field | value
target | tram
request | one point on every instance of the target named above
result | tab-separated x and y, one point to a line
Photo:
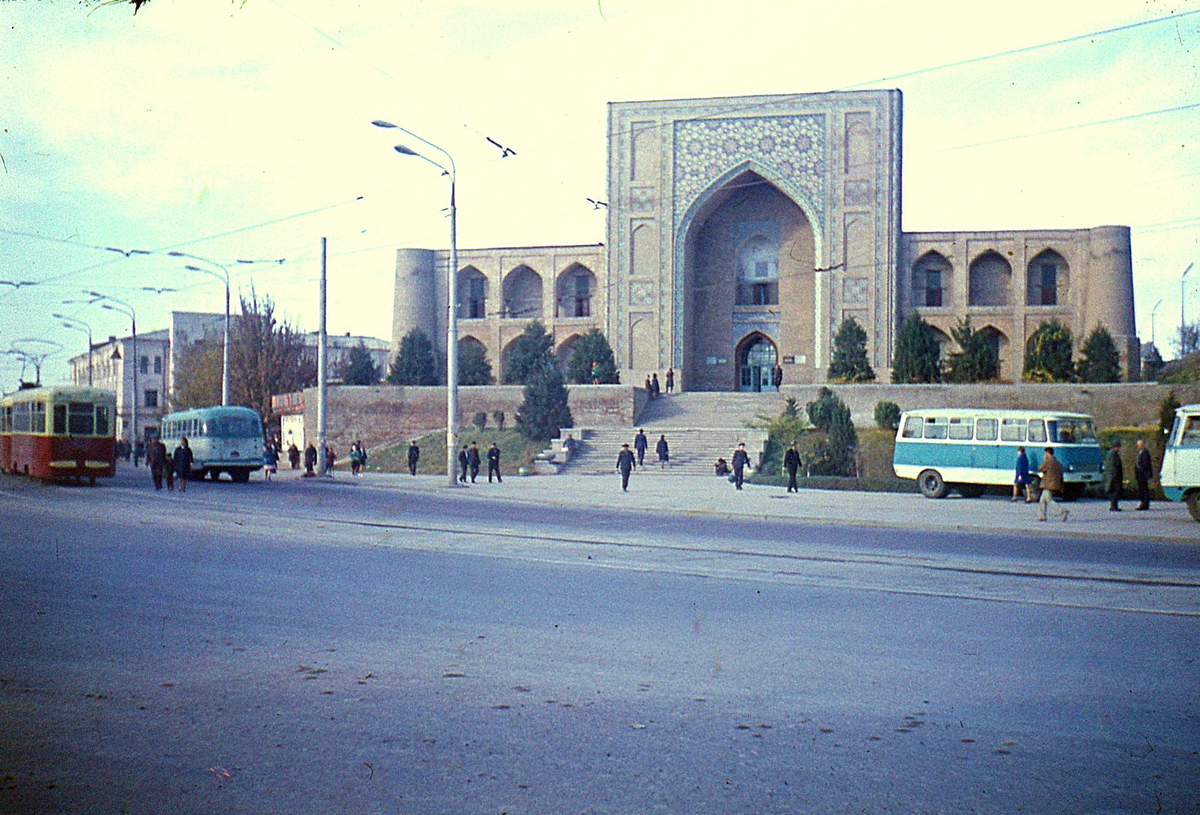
223	439
58	432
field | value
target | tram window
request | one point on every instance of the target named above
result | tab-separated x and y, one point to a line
1012	430
960	429
935	429
985	429
912	427
82	419
60	420
101	420
37	415
1037	431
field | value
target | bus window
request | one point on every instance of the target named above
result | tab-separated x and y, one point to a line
60	420
912	427
935	428
1012	430
985	429
1190	437
1072	431
82	419
960	429
102	420
1037	431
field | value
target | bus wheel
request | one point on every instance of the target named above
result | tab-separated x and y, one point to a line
971	490
239	476
931	484
1193	504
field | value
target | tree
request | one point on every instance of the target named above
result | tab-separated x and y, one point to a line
849	362
473	365
360	369
1187	339
415	363
1099	360
918	353
266	357
1152	362
1048	354
593	349
529	353
544	411
831	416
977	361
197	375
887	415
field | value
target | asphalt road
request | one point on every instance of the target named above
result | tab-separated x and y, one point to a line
299	647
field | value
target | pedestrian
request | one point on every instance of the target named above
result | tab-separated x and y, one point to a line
663	451
740	461
791	463
362	458
294	456
649	389
1114	475
169	471
639	444
270	461
473	460
777	376
654	389
181	461
1143	471
595	373
624	466
1052	483
670	380
139	452
414	455
310	459
493	457
330	459
464	464
1023	480
156	458
722	467
356	459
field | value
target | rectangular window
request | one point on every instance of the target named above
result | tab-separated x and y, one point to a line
960	429
1012	430
144	365
102	420
912	427
1190	436
1037	431
1049	275
985	429
151	399
82	419
933	288
935	428
60	420
158	365
37	423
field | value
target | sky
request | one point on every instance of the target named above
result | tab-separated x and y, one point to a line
242	131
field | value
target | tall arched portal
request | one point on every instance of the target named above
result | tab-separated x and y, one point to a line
749	255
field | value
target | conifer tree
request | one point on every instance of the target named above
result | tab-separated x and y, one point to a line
529	353
976	360
415	363
593	359
849	362
1099	360
360	369
918	353
544	411
473	365
1048	354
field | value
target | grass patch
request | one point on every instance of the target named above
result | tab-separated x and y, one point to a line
515	451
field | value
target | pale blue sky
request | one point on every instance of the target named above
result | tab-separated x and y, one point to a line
205	127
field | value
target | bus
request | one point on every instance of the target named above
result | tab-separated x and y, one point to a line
224	439
969	449
1180	474
59	432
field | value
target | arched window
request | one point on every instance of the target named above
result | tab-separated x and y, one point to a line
575	288
931	281
472	294
757	358
1047	274
990	280
758	273
523	294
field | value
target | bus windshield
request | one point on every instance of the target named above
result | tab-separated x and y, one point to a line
1072	431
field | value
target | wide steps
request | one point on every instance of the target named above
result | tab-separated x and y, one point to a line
693	451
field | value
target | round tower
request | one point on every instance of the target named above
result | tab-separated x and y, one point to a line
1109	299
416	296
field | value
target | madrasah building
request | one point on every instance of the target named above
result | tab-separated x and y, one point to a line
742	231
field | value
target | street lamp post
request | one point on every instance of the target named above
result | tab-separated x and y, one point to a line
223	277
113	304
79	325
451	310
1182	312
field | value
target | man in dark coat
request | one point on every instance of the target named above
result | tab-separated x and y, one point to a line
663	451
294	456
1114	474
1143	470
181	462
414	455
156	457
310	459
791	463
639	444
473	460
624	466
464	464
740	460
493	457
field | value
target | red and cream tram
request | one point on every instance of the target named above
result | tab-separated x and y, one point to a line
58	432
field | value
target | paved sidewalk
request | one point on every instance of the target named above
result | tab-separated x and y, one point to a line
664	494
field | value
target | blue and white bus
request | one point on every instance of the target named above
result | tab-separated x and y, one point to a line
223	439
968	449
1180	474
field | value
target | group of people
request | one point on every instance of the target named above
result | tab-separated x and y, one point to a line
628	459
653	389
1051	479
469	462
173	466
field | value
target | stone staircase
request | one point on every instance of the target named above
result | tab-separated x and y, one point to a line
699	427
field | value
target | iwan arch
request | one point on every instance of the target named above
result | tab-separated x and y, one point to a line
742	231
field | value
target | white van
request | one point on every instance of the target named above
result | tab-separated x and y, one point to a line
1180	476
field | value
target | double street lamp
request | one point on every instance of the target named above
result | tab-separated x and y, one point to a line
113	304
79	325
223	276
451	312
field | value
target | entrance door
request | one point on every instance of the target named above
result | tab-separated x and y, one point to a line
757	366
